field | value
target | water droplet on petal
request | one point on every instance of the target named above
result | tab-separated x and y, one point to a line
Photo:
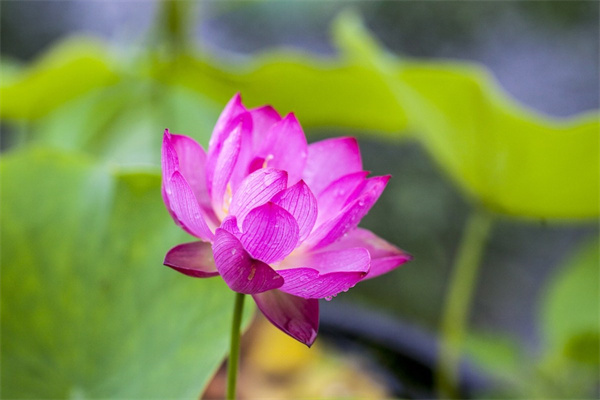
328	298
233	252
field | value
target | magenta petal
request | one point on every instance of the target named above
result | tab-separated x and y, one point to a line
223	169
285	148
361	202
239	270
333	198
384	255
225	123
185	208
269	233
294	315
263	118
329	160
192	163
324	274
192	259
299	201
258	188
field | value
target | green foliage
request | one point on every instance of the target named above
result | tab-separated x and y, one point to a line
87	308
571	306
568	364
509	159
68	70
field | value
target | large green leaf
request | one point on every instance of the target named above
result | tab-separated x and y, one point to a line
506	157
70	69
321	92
87	308
125	123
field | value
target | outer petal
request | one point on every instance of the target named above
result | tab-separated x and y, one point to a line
324	274
192	259
269	233
360	202
257	189
239	270
333	198
330	159
384	255
185	155
185	207
295	316
299	201
285	148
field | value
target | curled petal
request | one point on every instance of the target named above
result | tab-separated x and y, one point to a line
360	202
329	160
299	201
239	270
384	255
192	259
185	207
269	233
324	274
333	198
257	189
285	148
294	315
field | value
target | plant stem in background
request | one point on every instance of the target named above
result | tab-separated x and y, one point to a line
234	352
458	302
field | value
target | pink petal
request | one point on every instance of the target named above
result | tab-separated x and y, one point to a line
360	202
333	198
185	208
230	225
239	270
223	169
263	118
329	160
299	201
285	148
384	255
269	233
190	160
192	259
325	273
226	123
261	121
295	316
258	188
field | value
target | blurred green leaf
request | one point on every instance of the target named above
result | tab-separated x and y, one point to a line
69	69
87	308
124	123
321	92
571	305
512	160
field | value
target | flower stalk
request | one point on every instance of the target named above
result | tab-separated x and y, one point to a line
458	302
234	352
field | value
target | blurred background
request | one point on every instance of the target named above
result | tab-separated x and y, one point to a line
475	108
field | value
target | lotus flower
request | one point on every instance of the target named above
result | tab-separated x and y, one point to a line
276	218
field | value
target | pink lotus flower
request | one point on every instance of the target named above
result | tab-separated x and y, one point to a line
276	218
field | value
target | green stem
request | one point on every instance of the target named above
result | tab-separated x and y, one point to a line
458	301
234	352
